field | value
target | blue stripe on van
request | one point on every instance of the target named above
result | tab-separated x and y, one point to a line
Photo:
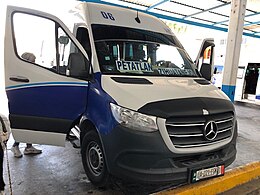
47	84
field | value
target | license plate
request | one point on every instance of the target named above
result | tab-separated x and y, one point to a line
207	173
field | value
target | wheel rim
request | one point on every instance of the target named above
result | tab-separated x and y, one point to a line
95	158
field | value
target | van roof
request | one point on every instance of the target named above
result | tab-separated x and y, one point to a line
97	13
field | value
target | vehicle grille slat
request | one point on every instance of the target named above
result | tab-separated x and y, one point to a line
185	130
185	125
223	121
197	145
190	135
224	130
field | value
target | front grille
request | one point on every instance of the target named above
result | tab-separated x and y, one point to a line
186	132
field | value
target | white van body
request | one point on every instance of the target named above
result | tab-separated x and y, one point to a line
144	111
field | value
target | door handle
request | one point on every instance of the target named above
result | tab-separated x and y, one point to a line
19	79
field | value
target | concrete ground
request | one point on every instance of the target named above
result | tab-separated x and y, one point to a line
250	188
59	171
248	146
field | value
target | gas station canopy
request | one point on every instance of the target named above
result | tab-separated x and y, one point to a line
213	14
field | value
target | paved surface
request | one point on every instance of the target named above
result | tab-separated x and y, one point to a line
59	170
248	147
250	188
232	178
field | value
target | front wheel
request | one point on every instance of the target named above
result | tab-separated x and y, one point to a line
93	159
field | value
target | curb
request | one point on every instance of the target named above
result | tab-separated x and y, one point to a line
231	179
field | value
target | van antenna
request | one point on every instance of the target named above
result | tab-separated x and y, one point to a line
137	19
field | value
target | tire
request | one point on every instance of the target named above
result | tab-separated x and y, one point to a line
93	160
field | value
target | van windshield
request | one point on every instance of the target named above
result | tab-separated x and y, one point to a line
129	51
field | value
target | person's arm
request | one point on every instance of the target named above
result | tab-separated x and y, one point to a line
4	130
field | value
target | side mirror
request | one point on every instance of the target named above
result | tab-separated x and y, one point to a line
205	71
78	66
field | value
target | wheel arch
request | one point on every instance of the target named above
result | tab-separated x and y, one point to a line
86	126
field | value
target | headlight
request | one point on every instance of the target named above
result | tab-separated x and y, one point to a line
134	120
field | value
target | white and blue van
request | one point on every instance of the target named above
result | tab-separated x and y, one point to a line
143	110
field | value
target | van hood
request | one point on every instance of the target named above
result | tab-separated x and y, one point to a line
166	96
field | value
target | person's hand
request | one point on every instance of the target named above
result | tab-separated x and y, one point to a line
4	136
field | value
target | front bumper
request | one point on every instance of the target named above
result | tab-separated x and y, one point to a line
144	157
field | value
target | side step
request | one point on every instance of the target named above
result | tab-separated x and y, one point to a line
74	137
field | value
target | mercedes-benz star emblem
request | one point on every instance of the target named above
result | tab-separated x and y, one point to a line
210	130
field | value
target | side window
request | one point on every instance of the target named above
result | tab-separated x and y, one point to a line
35	39
65	47
71	60
83	37
42	42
